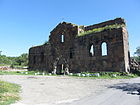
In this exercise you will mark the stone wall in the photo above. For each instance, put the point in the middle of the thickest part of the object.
(66, 49)
(103, 24)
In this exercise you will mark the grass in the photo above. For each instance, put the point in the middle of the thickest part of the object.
(19, 66)
(2, 72)
(102, 75)
(106, 75)
(9, 93)
(4, 65)
(95, 30)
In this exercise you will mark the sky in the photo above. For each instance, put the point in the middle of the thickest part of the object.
(27, 23)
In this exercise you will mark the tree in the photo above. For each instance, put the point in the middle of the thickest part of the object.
(22, 60)
(4, 60)
(138, 53)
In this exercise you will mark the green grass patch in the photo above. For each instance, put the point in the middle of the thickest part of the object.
(9, 72)
(95, 30)
(100, 75)
(4, 65)
(105, 75)
(9, 93)
(4, 72)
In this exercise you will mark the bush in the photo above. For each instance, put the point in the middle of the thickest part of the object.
(136, 72)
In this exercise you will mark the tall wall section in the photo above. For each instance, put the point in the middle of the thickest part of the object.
(40, 58)
(116, 39)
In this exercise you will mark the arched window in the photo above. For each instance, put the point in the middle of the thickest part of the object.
(91, 50)
(62, 38)
(104, 49)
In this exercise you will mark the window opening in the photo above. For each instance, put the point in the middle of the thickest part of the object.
(104, 49)
(62, 38)
(91, 51)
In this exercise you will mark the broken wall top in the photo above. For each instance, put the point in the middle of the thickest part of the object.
(103, 24)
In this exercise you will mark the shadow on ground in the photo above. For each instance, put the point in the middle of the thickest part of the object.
(130, 88)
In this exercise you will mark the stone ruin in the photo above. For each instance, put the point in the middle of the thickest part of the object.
(134, 65)
(72, 48)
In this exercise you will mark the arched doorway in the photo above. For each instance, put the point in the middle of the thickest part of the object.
(60, 66)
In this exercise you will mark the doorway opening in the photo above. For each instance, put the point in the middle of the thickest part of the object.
(60, 69)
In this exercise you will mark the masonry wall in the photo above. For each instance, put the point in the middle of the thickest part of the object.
(103, 24)
(113, 61)
(74, 51)
(40, 58)
(126, 50)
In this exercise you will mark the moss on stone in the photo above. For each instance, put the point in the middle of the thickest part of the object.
(95, 30)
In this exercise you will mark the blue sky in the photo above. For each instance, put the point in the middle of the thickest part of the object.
(25, 23)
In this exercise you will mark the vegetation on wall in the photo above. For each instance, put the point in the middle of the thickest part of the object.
(95, 30)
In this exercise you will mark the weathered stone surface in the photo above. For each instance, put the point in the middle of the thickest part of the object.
(74, 53)
(134, 65)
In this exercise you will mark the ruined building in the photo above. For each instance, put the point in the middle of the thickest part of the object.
(94, 48)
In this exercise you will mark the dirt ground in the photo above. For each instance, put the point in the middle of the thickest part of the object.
(53, 90)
